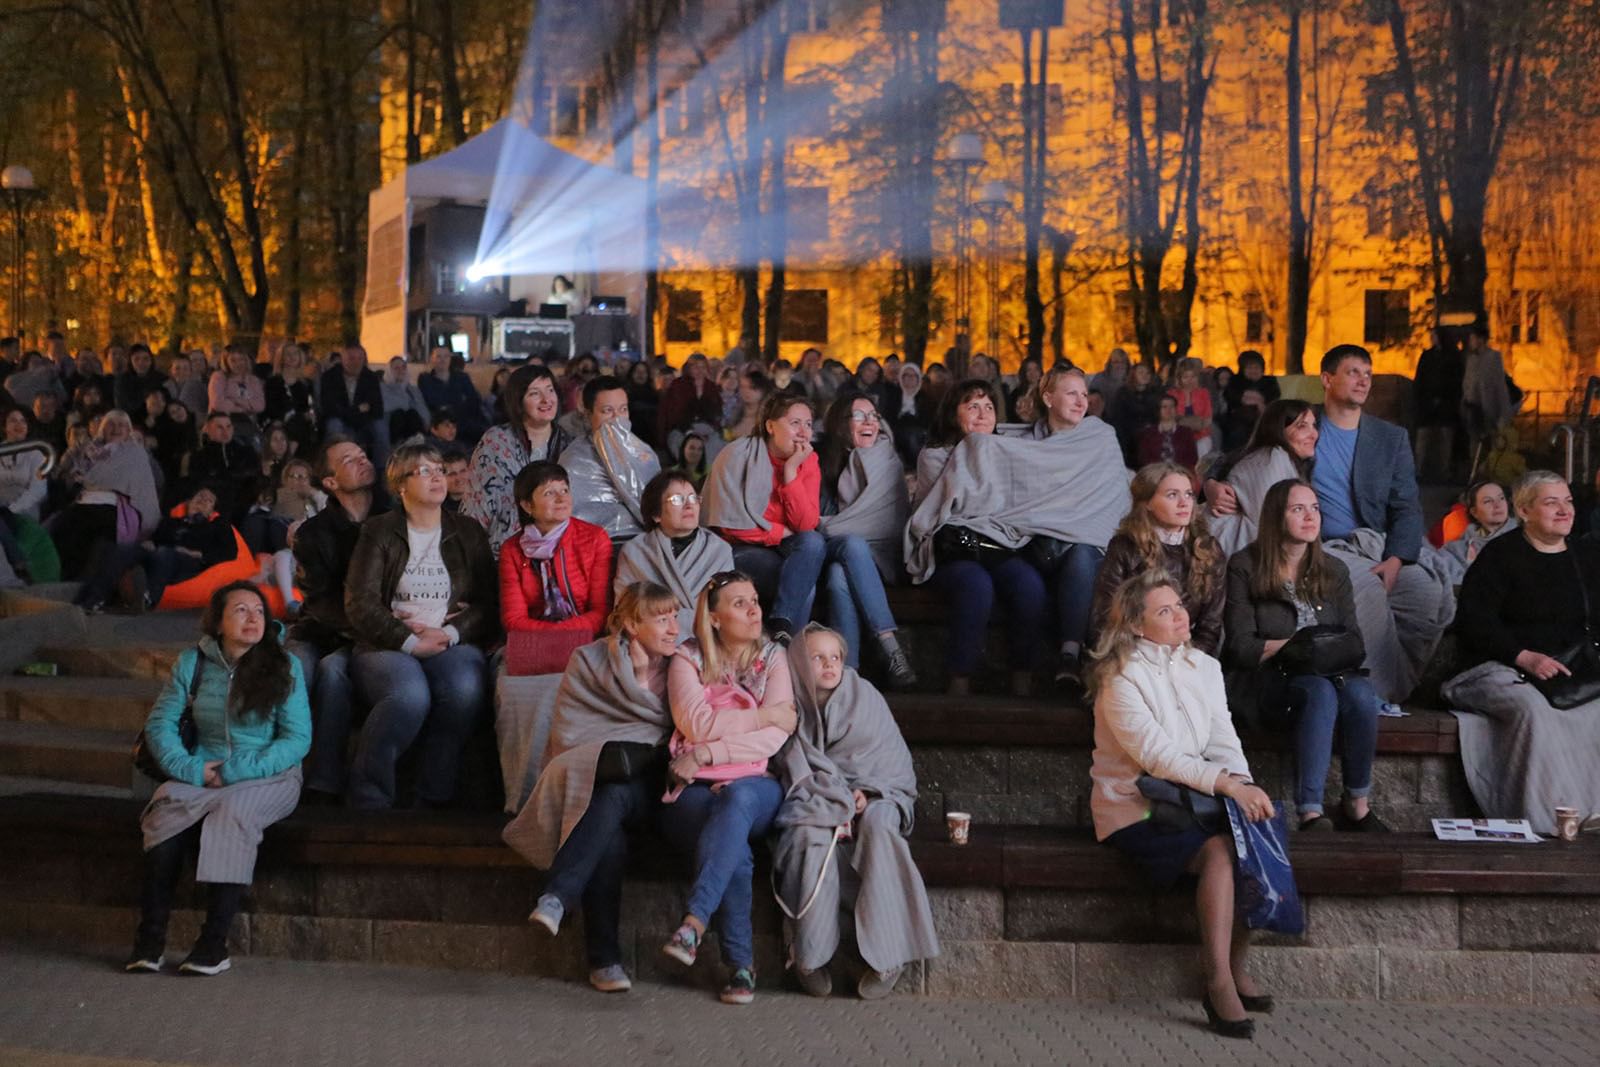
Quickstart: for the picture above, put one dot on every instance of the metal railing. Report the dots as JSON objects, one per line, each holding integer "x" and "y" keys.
{"x": 17, "y": 448}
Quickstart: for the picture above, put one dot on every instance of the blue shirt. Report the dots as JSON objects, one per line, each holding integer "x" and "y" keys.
{"x": 1333, "y": 480}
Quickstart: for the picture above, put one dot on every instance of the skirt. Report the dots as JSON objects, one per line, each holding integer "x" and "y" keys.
{"x": 235, "y": 816}
{"x": 1162, "y": 854}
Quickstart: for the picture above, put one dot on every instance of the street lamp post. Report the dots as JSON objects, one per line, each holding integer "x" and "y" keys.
{"x": 994, "y": 202}
{"x": 17, "y": 185}
{"x": 965, "y": 154}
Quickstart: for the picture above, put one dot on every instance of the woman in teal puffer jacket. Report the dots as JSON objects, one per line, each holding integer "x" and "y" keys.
{"x": 252, "y": 729}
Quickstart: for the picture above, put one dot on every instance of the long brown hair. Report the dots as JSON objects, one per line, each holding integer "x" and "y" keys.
{"x": 836, "y": 427}
{"x": 1270, "y": 551}
{"x": 262, "y": 678}
{"x": 1205, "y": 554}
{"x": 712, "y": 667}
{"x": 1118, "y": 638}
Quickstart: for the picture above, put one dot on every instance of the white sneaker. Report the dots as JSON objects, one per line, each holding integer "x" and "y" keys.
{"x": 548, "y": 913}
{"x": 612, "y": 979}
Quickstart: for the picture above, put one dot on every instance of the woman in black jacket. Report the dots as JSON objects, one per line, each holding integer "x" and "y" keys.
{"x": 1280, "y": 585}
{"x": 422, "y": 603}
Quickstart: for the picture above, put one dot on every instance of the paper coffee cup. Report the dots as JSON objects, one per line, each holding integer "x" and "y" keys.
{"x": 1568, "y": 823}
{"x": 960, "y": 825}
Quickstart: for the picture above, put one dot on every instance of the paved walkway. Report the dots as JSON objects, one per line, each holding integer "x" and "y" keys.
{"x": 59, "y": 1010}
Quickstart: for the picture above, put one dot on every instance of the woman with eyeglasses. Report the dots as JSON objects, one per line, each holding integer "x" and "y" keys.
{"x": 864, "y": 506}
{"x": 674, "y": 551}
{"x": 556, "y": 573}
{"x": 420, "y": 598}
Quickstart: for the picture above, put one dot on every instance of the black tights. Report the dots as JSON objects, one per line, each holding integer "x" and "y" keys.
{"x": 162, "y": 866}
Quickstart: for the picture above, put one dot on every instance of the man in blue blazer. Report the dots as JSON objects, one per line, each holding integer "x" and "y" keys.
{"x": 1366, "y": 486}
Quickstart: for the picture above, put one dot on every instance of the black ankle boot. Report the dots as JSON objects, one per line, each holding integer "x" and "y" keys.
{"x": 210, "y": 954}
{"x": 901, "y": 673}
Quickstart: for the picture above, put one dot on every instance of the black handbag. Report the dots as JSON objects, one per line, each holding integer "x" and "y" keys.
{"x": 1177, "y": 807}
{"x": 1582, "y": 658}
{"x": 144, "y": 761}
{"x": 623, "y": 761}
{"x": 1322, "y": 649}
{"x": 1045, "y": 553}
{"x": 954, "y": 544}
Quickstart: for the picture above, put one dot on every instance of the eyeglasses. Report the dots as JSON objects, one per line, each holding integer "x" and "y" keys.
{"x": 427, "y": 470}
{"x": 864, "y": 416}
{"x": 679, "y": 500}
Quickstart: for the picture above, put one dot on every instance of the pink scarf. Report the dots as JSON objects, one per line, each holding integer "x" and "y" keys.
{"x": 541, "y": 549}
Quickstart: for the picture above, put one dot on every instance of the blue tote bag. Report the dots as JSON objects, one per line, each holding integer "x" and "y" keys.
{"x": 1264, "y": 891}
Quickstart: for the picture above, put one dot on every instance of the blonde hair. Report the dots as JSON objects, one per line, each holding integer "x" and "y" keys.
{"x": 1118, "y": 637}
{"x": 1052, "y": 377}
{"x": 1206, "y": 558}
{"x": 712, "y": 667}
{"x": 637, "y": 602}
{"x": 1526, "y": 491}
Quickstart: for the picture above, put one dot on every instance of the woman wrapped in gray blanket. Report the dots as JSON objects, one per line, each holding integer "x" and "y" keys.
{"x": 849, "y": 795}
{"x": 575, "y": 822}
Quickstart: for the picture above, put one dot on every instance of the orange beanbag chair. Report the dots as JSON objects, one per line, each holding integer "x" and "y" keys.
{"x": 196, "y": 592}
{"x": 1452, "y": 526}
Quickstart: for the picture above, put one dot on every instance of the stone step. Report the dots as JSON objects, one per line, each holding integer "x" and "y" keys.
{"x": 133, "y": 660}
{"x": 1020, "y": 912}
{"x": 66, "y": 754}
{"x": 91, "y": 703}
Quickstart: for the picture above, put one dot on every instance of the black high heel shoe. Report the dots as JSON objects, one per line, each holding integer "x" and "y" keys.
{"x": 1244, "y": 1029}
{"x": 1261, "y": 1005}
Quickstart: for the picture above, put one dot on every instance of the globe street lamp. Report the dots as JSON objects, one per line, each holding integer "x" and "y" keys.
{"x": 994, "y": 202}
{"x": 18, "y": 188}
{"x": 965, "y": 155}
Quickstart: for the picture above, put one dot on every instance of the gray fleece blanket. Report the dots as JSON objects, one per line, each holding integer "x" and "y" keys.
{"x": 873, "y": 504}
{"x": 649, "y": 559}
{"x": 738, "y": 487}
{"x": 848, "y": 740}
{"x": 1250, "y": 478}
{"x": 1071, "y": 486}
{"x": 600, "y": 700}
{"x": 124, "y": 468}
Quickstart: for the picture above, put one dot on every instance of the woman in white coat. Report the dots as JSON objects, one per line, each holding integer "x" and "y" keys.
{"x": 1160, "y": 710}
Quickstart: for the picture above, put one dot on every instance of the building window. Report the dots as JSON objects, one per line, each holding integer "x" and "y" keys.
{"x": 809, "y": 226}
{"x": 685, "y": 308}
{"x": 1525, "y": 316}
{"x": 805, "y": 16}
{"x": 566, "y": 124}
{"x": 1122, "y": 317}
{"x": 810, "y": 105}
{"x": 1162, "y": 100}
{"x": 1256, "y": 329}
{"x": 1380, "y": 90}
{"x": 805, "y": 316}
{"x": 1388, "y": 317}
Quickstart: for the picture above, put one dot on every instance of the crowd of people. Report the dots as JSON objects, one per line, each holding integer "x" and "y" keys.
{"x": 619, "y": 567}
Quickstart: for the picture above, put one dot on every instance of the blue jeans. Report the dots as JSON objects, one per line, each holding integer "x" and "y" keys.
{"x": 718, "y": 828}
{"x": 785, "y": 576}
{"x": 1321, "y": 712}
{"x": 590, "y": 863}
{"x": 969, "y": 590}
{"x": 435, "y": 701}
{"x": 1073, "y": 583}
{"x": 855, "y": 592}
{"x": 332, "y": 713}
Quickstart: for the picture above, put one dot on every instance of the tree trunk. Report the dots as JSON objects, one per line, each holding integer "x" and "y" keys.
{"x": 652, "y": 212}
{"x": 1299, "y": 279}
{"x": 455, "y": 112}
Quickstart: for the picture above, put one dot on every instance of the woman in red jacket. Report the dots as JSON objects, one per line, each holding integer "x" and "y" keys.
{"x": 764, "y": 496}
{"x": 556, "y": 573}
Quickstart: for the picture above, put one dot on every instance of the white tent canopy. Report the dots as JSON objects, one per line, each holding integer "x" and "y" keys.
{"x": 564, "y": 214}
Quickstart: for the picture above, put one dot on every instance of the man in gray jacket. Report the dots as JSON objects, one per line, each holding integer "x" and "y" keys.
{"x": 1366, "y": 486}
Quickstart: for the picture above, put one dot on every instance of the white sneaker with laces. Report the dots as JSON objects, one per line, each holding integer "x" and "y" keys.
{"x": 611, "y": 979}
